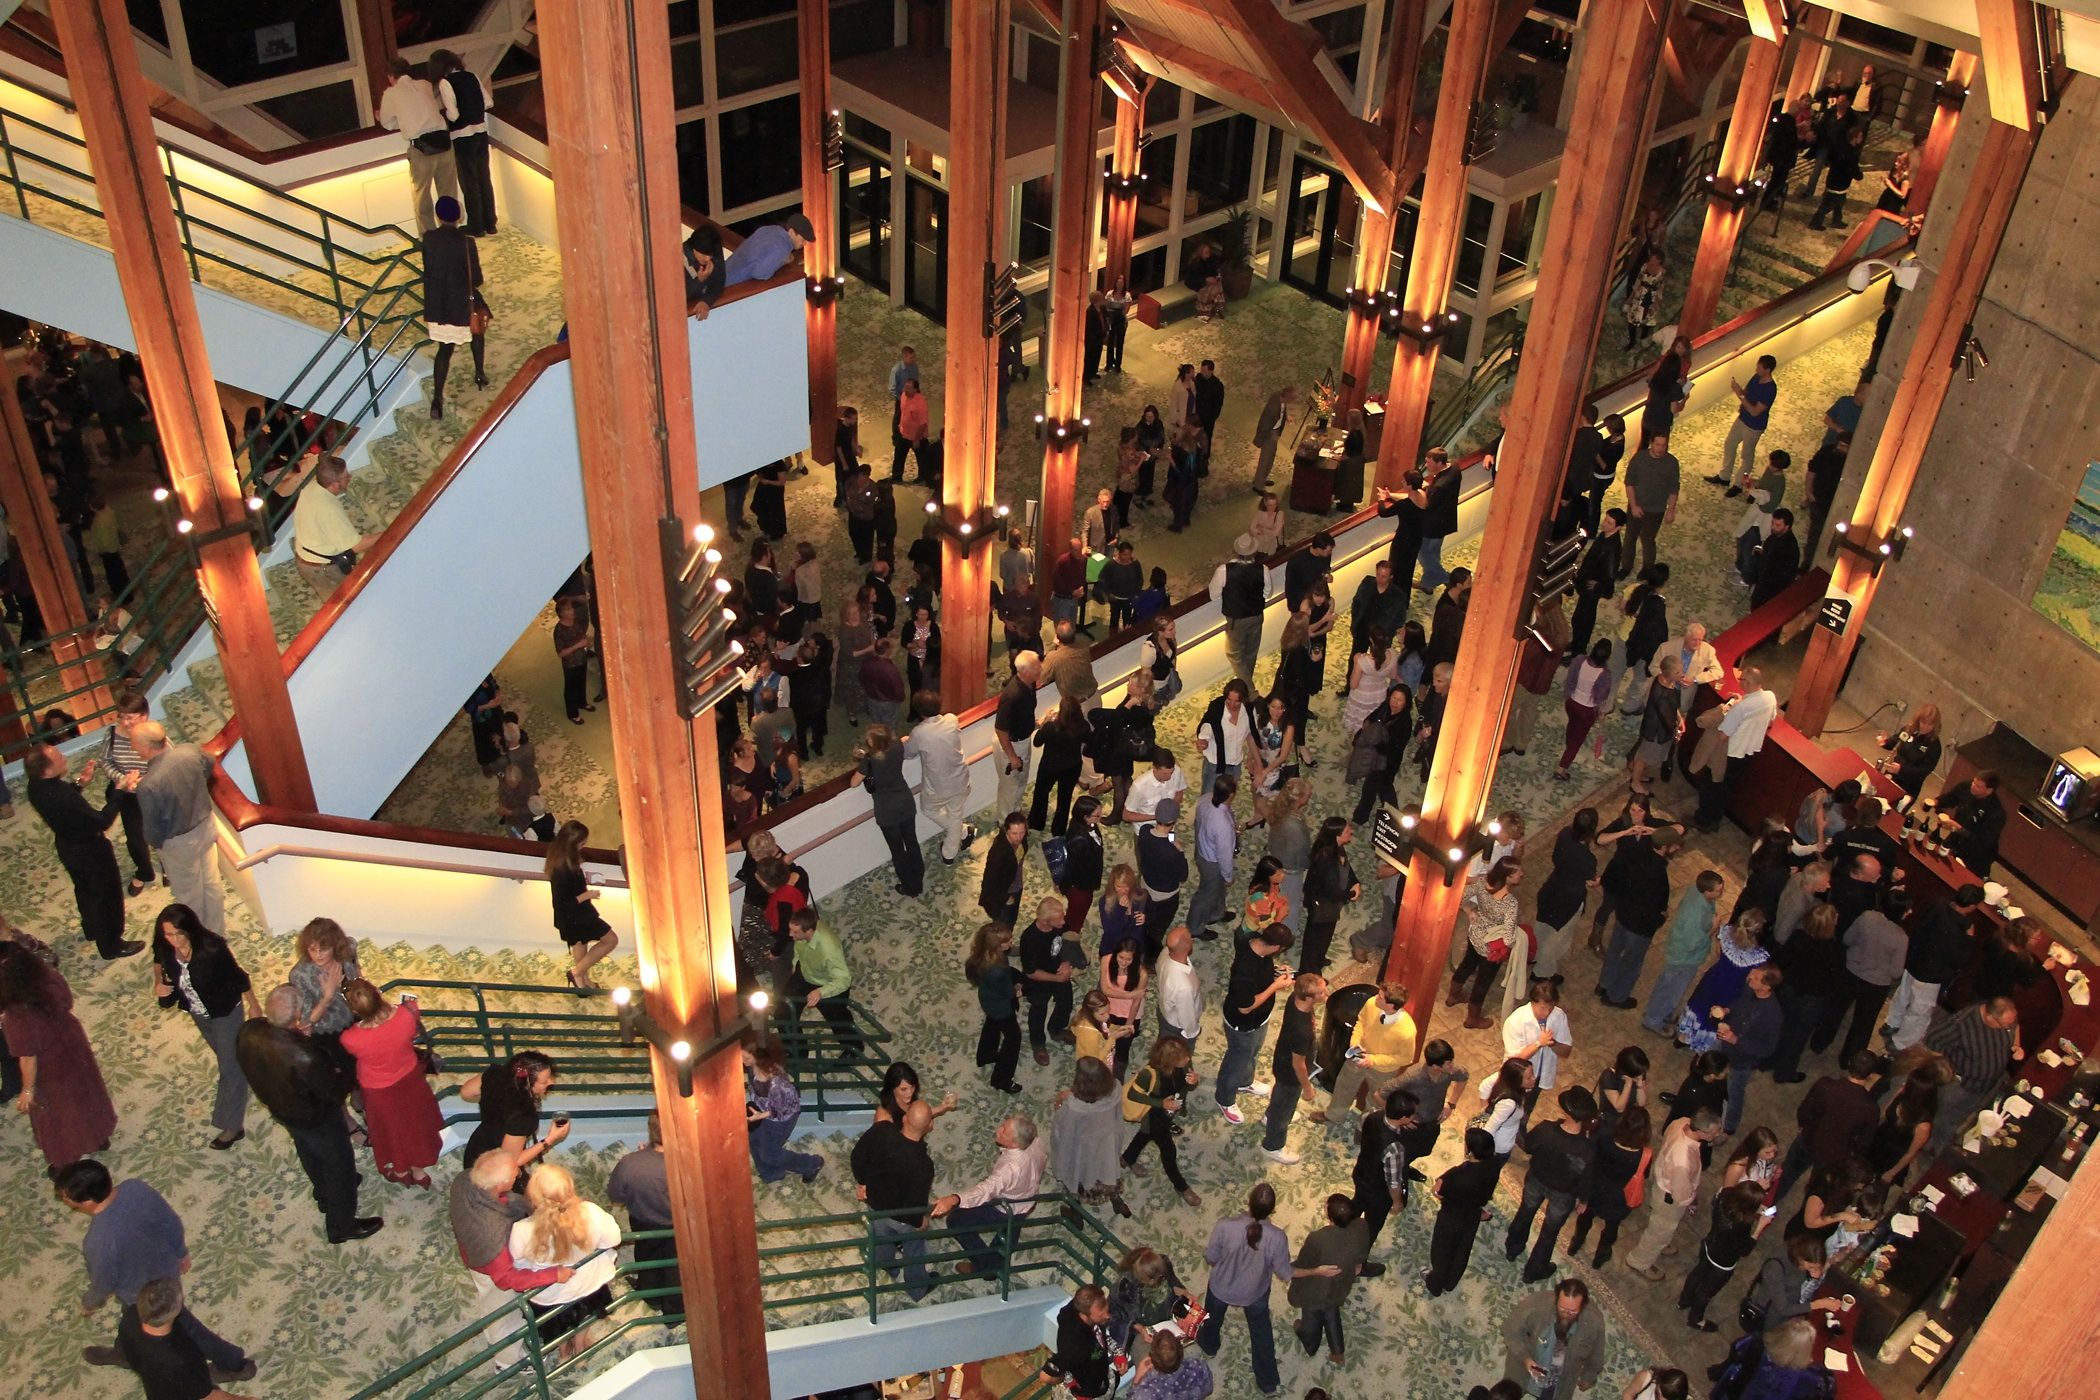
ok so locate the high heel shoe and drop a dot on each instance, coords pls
(481, 381)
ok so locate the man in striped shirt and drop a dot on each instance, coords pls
(1979, 1042)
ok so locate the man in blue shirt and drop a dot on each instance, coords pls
(1841, 419)
(768, 250)
(134, 1237)
(1753, 412)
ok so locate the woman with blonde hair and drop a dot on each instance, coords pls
(565, 1231)
(576, 918)
(1267, 525)
(401, 1114)
(1122, 907)
(1914, 750)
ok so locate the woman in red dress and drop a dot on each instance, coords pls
(401, 1114)
(62, 1090)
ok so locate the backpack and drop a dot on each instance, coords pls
(1055, 856)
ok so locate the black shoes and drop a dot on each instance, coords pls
(364, 1227)
(226, 1140)
(125, 949)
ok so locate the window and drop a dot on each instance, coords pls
(1163, 103)
(318, 112)
(1042, 63)
(739, 11)
(859, 128)
(1148, 271)
(1472, 248)
(147, 19)
(754, 56)
(427, 21)
(692, 164)
(1517, 233)
(1221, 156)
(688, 80)
(245, 41)
(1037, 204)
(1155, 196)
(861, 27)
(761, 151)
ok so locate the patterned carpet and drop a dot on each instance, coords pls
(322, 1320)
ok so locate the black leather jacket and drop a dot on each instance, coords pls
(295, 1080)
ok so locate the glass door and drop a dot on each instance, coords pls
(864, 216)
(1322, 227)
(926, 248)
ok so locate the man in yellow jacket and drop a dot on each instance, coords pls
(1382, 1045)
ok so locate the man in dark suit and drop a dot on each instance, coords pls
(79, 832)
(1595, 579)
(1268, 432)
(1778, 559)
(304, 1091)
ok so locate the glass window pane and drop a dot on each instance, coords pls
(1156, 163)
(427, 21)
(1221, 156)
(737, 11)
(1163, 103)
(1036, 206)
(517, 62)
(861, 27)
(147, 19)
(1472, 249)
(1516, 238)
(761, 156)
(318, 112)
(685, 18)
(859, 128)
(245, 41)
(1340, 30)
(1148, 271)
(1042, 63)
(692, 164)
(688, 88)
(756, 56)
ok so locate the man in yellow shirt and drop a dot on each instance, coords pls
(1382, 1045)
(321, 530)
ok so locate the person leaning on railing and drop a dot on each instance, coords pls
(1008, 1189)
(483, 1206)
(641, 1183)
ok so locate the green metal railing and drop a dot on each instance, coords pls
(376, 300)
(44, 162)
(595, 1059)
(811, 1269)
(1496, 367)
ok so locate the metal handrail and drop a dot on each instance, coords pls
(589, 1043)
(1496, 367)
(1058, 1242)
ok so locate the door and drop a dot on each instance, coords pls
(926, 248)
(1323, 225)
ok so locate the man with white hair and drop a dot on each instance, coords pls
(482, 1207)
(1700, 664)
(174, 791)
(1013, 729)
(304, 1091)
(1008, 1189)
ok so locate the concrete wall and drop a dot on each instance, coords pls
(1952, 622)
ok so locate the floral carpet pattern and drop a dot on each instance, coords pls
(322, 1321)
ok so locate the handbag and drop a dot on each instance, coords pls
(1750, 1315)
(1637, 1189)
(478, 322)
(1055, 856)
(429, 1061)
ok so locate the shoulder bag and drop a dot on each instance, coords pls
(1637, 1189)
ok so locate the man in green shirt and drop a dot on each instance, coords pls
(1690, 939)
(823, 980)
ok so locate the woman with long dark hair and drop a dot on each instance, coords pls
(576, 917)
(1330, 885)
(1906, 1123)
(1062, 738)
(510, 1095)
(1380, 747)
(1083, 861)
(453, 312)
(1152, 441)
(195, 972)
(1372, 672)
(1124, 978)
(62, 1092)
(988, 968)
(1622, 1158)
(1729, 1239)
(1565, 892)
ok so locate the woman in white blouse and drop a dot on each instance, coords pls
(566, 1231)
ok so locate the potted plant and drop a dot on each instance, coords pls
(1520, 91)
(1234, 240)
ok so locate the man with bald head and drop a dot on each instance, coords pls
(304, 1090)
(174, 792)
(893, 1176)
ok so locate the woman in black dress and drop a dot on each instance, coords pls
(1731, 1237)
(576, 917)
(1622, 1156)
(1906, 1123)
(1330, 884)
(452, 299)
(1463, 1194)
(510, 1095)
(1666, 389)
(1123, 735)
(769, 500)
(1061, 738)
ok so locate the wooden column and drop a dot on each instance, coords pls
(1072, 223)
(611, 139)
(1375, 227)
(820, 256)
(1812, 26)
(116, 118)
(1609, 130)
(1939, 138)
(32, 519)
(1122, 202)
(1739, 160)
(1950, 304)
(375, 41)
(978, 47)
(1439, 221)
